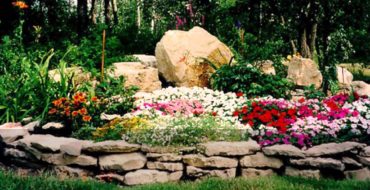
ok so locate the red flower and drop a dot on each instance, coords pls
(236, 113)
(266, 117)
(291, 112)
(52, 111)
(214, 113)
(301, 100)
(239, 94)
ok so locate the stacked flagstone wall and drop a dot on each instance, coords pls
(133, 164)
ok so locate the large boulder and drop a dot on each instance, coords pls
(181, 56)
(345, 77)
(361, 87)
(9, 132)
(138, 74)
(304, 72)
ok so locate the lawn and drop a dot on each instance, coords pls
(12, 182)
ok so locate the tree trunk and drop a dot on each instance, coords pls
(138, 10)
(305, 48)
(115, 14)
(93, 12)
(312, 37)
(107, 11)
(82, 16)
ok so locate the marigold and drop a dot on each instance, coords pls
(94, 99)
(57, 102)
(74, 113)
(82, 111)
(52, 111)
(20, 4)
(86, 118)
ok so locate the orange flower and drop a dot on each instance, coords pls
(94, 99)
(57, 102)
(68, 113)
(82, 99)
(86, 118)
(82, 111)
(74, 113)
(20, 4)
(52, 111)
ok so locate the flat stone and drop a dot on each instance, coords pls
(25, 144)
(32, 125)
(319, 163)
(175, 176)
(70, 172)
(15, 153)
(230, 148)
(52, 125)
(111, 147)
(74, 148)
(48, 143)
(167, 157)
(111, 177)
(259, 160)
(109, 117)
(283, 150)
(141, 177)
(290, 171)
(349, 162)
(10, 132)
(165, 166)
(192, 171)
(252, 172)
(166, 149)
(365, 151)
(201, 161)
(364, 160)
(122, 162)
(61, 159)
(361, 174)
(333, 149)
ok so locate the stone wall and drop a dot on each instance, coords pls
(132, 164)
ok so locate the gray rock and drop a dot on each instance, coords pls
(32, 125)
(290, 171)
(201, 161)
(10, 132)
(48, 143)
(365, 152)
(361, 174)
(141, 177)
(192, 171)
(167, 149)
(111, 147)
(283, 150)
(252, 172)
(175, 176)
(349, 162)
(15, 153)
(167, 157)
(147, 60)
(333, 149)
(61, 159)
(364, 160)
(259, 160)
(74, 148)
(52, 125)
(230, 148)
(109, 117)
(122, 162)
(319, 163)
(167, 166)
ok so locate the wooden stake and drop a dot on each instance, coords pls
(102, 57)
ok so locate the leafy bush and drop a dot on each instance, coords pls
(310, 92)
(250, 81)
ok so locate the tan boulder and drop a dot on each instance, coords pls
(309, 173)
(252, 172)
(167, 166)
(229, 148)
(266, 67)
(140, 177)
(361, 87)
(201, 161)
(181, 56)
(259, 160)
(192, 171)
(137, 74)
(304, 72)
(345, 77)
(122, 162)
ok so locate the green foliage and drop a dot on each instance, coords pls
(310, 92)
(249, 80)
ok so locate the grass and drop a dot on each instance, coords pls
(10, 181)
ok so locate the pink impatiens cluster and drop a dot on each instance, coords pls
(337, 118)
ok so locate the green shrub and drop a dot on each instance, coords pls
(250, 81)
(310, 92)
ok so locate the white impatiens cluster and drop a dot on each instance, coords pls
(223, 104)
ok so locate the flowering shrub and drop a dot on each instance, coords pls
(185, 107)
(76, 112)
(214, 102)
(307, 122)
